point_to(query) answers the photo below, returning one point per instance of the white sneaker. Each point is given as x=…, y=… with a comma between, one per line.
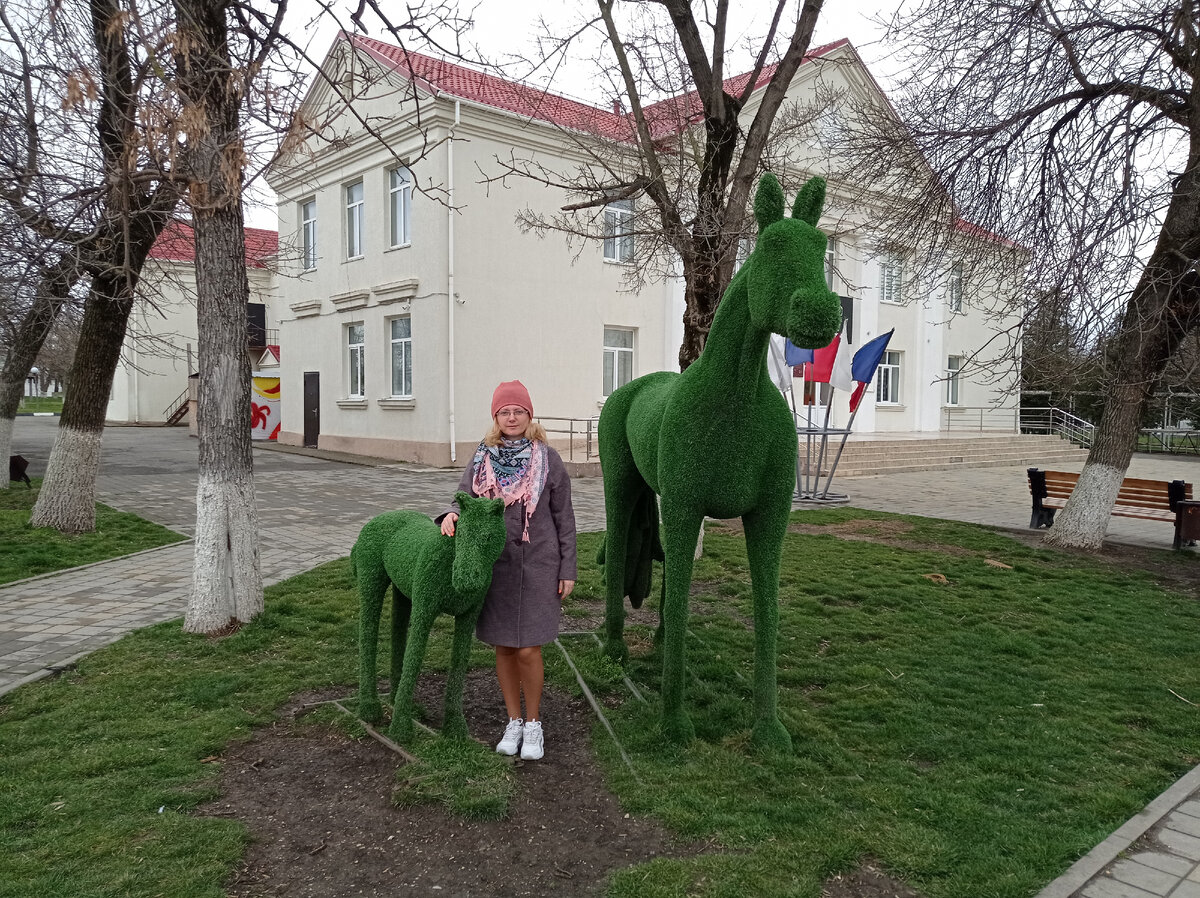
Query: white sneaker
x=532, y=747
x=512, y=737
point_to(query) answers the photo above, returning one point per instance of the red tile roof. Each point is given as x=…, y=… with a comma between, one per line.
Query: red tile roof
x=665, y=117
x=177, y=244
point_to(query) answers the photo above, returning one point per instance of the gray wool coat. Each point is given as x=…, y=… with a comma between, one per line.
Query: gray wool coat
x=522, y=607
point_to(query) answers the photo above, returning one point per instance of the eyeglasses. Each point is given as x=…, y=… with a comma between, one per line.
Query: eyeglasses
x=512, y=413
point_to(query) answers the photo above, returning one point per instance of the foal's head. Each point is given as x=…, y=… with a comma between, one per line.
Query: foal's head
x=478, y=541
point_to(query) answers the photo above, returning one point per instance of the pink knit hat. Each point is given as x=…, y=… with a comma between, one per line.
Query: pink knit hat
x=511, y=392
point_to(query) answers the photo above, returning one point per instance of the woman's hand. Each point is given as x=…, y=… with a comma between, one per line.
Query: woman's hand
x=564, y=588
x=448, y=526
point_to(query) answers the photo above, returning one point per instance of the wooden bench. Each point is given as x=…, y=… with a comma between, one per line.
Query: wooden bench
x=1149, y=500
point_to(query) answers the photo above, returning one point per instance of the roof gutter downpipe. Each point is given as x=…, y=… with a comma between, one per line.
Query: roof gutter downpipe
x=450, y=279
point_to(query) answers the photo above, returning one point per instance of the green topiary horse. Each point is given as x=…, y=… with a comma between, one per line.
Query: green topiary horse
x=430, y=574
x=717, y=440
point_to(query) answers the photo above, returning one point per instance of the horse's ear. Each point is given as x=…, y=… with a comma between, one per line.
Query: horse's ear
x=768, y=202
x=496, y=506
x=463, y=499
x=810, y=201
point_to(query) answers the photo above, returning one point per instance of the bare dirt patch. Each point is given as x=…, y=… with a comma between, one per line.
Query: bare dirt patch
x=318, y=807
x=868, y=881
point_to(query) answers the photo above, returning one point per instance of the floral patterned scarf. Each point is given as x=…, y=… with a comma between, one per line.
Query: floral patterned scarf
x=514, y=471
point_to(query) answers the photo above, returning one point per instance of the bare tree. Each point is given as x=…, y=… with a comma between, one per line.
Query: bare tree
x=1070, y=128
x=683, y=145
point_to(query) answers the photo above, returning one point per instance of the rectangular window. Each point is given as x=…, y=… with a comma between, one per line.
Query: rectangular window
x=953, y=367
x=831, y=249
x=954, y=287
x=401, y=356
x=891, y=280
x=354, y=220
x=618, y=358
x=618, y=231
x=308, y=235
x=887, y=379
x=356, y=351
x=400, y=205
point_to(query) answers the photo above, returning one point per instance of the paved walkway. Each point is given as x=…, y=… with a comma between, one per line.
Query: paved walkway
x=311, y=509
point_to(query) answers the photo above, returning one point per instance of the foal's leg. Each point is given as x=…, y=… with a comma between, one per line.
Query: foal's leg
x=421, y=622
x=681, y=527
x=372, y=584
x=401, y=611
x=765, y=530
x=454, y=722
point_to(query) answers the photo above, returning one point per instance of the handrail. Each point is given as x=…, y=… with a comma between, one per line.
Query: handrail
x=980, y=418
x=584, y=428
x=175, y=403
x=1053, y=420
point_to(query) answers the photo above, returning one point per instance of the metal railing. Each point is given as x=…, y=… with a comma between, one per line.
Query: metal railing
x=1170, y=440
x=1051, y=420
x=980, y=418
x=170, y=411
x=580, y=434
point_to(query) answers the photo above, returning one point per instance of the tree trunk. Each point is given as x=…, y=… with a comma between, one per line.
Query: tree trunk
x=226, y=579
x=1164, y=307
x=52, y=292
x=67, y=500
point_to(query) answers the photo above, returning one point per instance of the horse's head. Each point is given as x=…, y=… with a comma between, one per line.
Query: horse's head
x=478, y=541
x=787, y=290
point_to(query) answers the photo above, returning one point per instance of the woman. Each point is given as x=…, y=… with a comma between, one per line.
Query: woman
x=537, y=570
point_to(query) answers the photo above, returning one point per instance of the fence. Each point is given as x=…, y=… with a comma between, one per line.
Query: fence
x=964, y=418
x=576, y=435
x=1055, y=421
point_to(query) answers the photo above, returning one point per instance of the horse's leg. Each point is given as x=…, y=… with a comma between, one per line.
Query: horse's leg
x=620, y=498
x=372, y=584
x=765, y=529
x=454, y=722
x=421, y=622
x=401, y=611
x=681, y=526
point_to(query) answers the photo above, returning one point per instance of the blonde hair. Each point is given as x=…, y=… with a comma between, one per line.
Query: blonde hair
x=533, y=431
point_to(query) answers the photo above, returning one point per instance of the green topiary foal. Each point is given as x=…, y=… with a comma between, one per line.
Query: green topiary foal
x=718, y=440
x=430, y=574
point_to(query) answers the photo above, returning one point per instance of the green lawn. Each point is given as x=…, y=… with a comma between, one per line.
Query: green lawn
x=31, y=404
x=974, y=737
x=26, y=552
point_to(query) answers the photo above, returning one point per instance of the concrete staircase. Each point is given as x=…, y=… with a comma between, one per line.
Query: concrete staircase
x=937, y=453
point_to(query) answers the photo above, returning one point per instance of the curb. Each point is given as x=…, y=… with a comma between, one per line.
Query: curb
x=1081, y=872
x=52, y=670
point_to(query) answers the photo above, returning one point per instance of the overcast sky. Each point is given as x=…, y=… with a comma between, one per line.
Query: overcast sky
x=504, y=30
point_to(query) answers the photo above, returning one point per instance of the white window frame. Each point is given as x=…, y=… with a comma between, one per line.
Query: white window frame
x=355, y=209
x=614, y=355
x=308, y=234
x=618, y=234
x=400, y=187
x=954, y=366
x=404, y=344
x=887, y=378
x=831, y=256
x=954, y=287
x=891, y=280
x=356, y=353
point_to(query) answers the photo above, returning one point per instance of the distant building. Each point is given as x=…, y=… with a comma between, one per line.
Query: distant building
x=398, y=315
x=161, y=343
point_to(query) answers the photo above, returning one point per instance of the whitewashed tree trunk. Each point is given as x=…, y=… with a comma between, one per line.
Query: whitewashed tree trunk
x=6, y=432
x=226, y=579
x=52, y=293
x=67, y=499
x=1084, y=520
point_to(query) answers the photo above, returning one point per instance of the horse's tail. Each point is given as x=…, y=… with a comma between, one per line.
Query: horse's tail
x=643, y=547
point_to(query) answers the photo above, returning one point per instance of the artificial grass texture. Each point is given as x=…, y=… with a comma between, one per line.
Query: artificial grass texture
x=26, y=551
x=973, y=737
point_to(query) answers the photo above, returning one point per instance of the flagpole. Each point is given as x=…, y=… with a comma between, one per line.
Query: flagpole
x=838, y=457
x=824, y=441
x=796, y=428
x=807, y=444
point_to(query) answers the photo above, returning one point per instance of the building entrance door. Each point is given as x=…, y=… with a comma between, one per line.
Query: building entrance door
x=312, y=408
